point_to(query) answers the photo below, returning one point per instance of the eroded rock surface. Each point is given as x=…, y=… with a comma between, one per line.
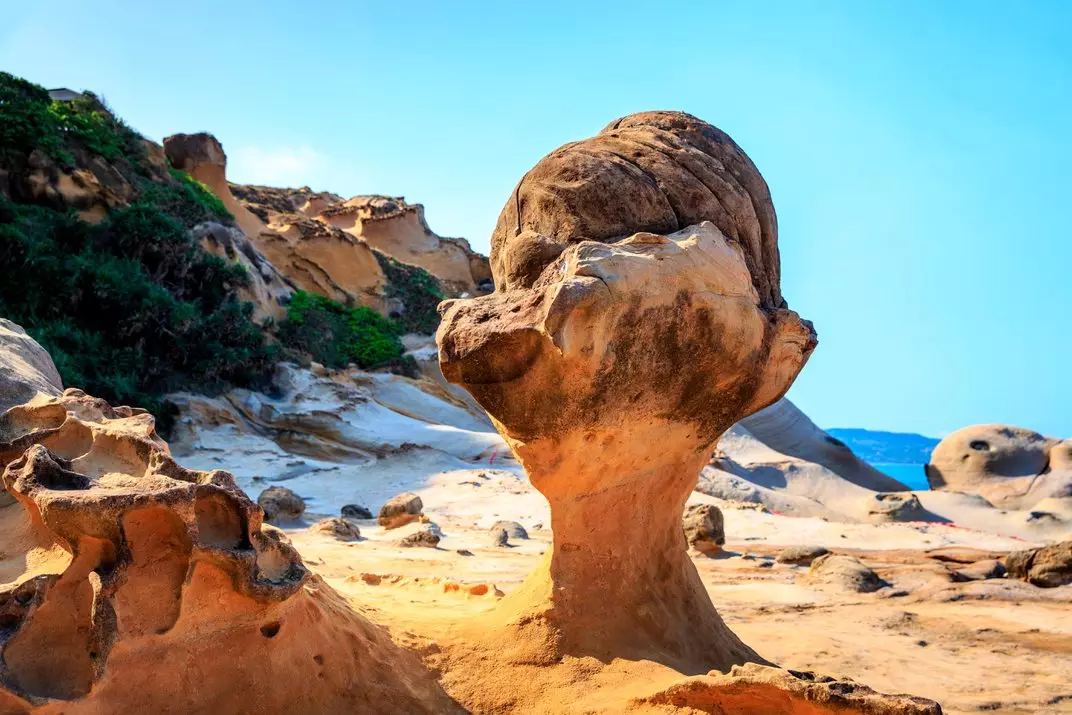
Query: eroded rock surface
x=1010, y=467
x=637, y=317
x=1048, y=567
x=705, y=528
x=26, y=369
x=115, y=556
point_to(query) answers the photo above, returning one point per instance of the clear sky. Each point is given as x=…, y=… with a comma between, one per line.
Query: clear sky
x=918, y=152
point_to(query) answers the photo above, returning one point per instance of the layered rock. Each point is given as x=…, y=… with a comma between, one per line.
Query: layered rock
x=131, y=584
x=1010, y=467
x=268, y=289
x=611, y=359
x=313, y=256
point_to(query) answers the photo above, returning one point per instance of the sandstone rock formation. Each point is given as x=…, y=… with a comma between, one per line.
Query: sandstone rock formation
x=341, y=529
x=612, y=358
x=801, y=555
x=399, y=229
x=268, y=289
x=704, y=528
x=1049, y=566
x=131, y=584
x=400, y=510
x=280, y=504
x=1010, y=467
x=844, y=572
x=26, y=369
x=313, y=255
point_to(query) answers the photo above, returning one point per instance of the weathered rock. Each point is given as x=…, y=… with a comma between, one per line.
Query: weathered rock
x=637, y=316
x=26, y=368
x=704, y=527
x=1047, y=567
x=280, y=505
x=981, y=570
x=754, y=688
x=844, y=572
x=500, y=537
x=428, y=535
x=512, y=528
x=1010, y=467
x=895, y=507
x=801, y=555
x=400, y=510
x=355, y=511
x=267, y=289
x=137, y=560
x=341, y=529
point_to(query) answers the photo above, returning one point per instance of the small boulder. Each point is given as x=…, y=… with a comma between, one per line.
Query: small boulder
x=512, y=528
x=895, y=507
x=1046, y=567
x=401, y=510
x=500, y=537
x=355, y=511
x=427, y=536
x=844, y=572
x=341, y=529
x=801, y=555
x=704, y=527
x=280, y=505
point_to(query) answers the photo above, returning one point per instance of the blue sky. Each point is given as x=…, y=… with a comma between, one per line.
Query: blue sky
x=917, y=152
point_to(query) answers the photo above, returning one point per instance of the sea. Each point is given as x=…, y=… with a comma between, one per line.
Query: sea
x=909, y=474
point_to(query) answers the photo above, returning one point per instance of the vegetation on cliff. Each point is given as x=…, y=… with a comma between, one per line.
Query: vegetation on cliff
x=131, y=307
x=418, y=290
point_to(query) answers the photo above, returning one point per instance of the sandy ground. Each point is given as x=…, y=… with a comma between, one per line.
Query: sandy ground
x=994, y=646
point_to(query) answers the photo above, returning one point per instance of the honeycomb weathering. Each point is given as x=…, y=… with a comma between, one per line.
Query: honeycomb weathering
x=656, y=172
x=116, y=556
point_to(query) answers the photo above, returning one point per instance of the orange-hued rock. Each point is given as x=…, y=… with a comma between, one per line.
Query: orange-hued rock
x=311, y=254
x=611, y=360
x=131, y=584
x=1011, y=467
x=399, y=229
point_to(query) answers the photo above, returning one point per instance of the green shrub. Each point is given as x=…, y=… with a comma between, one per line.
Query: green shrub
x=27, y=123
x=336, y=335
x=418, y=290
x=130, y=309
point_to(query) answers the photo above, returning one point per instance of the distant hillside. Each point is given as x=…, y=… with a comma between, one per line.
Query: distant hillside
x=887, y=447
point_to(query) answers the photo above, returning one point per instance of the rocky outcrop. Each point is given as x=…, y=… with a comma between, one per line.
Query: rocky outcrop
x=612, y=359
x=845, y=573
x=1010, y=467
x=1048, y=567
x=268, y=289
x=704, y=528
x=280, y=504
x=115, y=557
x=400, y=510
x=26, y=369
x=399, y=229
x=311, y=254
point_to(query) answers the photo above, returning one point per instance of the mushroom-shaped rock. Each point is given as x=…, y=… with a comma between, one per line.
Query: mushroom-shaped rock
x=280, y=505
x=1011, y=467
x=704, y=527
x=400, y=510
x=341, y=529
x=132, y=584
x=637, y=317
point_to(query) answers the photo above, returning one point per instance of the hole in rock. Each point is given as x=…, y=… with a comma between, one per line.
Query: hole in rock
x=219, y=523
x=269, y=630
x=149, y=598
x=979, y=445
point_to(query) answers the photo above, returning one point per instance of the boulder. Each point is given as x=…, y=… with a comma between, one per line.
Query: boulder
x=981, y=570
x=844, y=572
x=26, y=368
x=512, y=528
x=895, y=507
x=801, y=555
x=1047, y=567
x=428, y=535
x=1011, y=467
x=400, y=510
x=500, y=537
x=341, y=529
x=280, y=505
x=355, y=511
x=704, y=527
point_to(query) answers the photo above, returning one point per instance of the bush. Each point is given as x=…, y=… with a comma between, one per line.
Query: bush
x=418, y=291
x=27, y=123
x=336, y=335
x=131, y=308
